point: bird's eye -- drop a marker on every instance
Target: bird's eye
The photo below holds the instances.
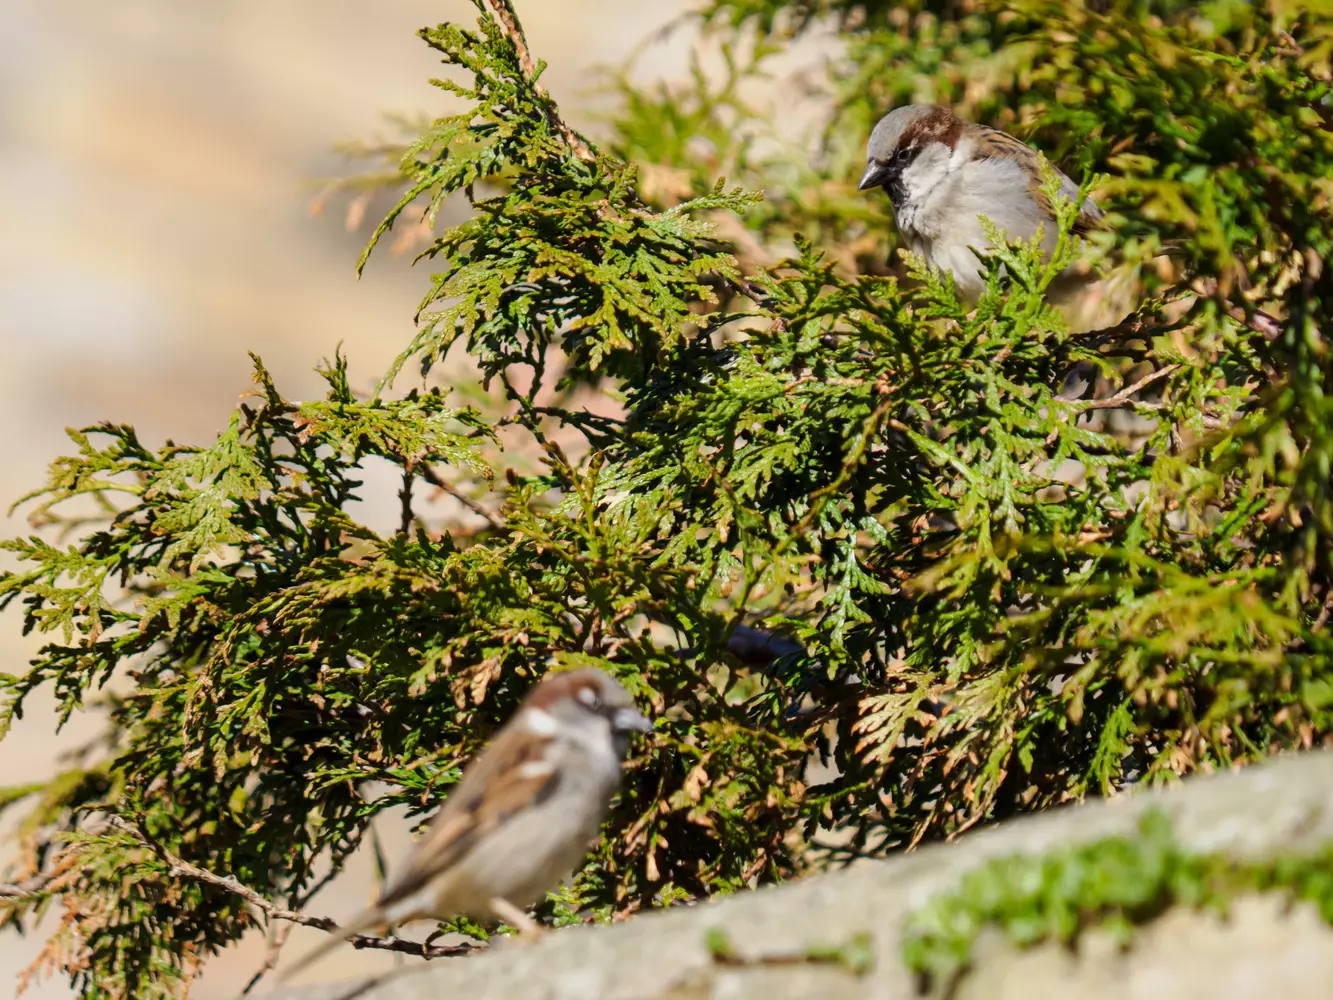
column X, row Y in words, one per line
column 589, row 698
column 904, row 153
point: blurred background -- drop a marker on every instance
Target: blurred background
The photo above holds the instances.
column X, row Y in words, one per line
column 158, row 163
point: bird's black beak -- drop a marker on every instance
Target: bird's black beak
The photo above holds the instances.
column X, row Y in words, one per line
column 629, row 720
column 875, row 176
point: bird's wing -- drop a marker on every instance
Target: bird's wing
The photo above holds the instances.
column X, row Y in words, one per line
column 505, row 779
column 1005, row 146
column 513, row 774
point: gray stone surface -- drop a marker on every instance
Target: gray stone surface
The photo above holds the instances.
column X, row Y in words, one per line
column 1260, row 950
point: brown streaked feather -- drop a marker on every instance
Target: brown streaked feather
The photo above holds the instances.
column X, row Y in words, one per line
column 468, row 815
column 516, row 772
column 557, row 687
column 1001, row 145
column 940, row 125
column 1004, row 144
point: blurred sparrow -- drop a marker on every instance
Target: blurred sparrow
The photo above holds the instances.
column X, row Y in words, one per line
column 523, row 816
column 942, row 172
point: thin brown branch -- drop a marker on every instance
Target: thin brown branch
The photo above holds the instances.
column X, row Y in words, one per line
column 277, row 938
column 177, row 867
column 1122, row 398
column 278, row 935
column 1132, row 328
column 504, row 14
column 405, row 502
column 417, row 948
column 25, row 889
column 429, row 474
column 1324, row 612
column 1258, row 321
column 1255, row 319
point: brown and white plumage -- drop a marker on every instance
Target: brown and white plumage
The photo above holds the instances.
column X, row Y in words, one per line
column 943, row 172
column 522, row 817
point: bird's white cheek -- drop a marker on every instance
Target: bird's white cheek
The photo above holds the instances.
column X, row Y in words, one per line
column 927, row 185
column 541, row 722
column 539, row 768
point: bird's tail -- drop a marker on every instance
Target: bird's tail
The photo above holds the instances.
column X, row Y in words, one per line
column 367, row 919
column 1101, row 303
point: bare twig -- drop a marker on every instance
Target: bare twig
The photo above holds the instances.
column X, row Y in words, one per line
column 504, row 13
column 1258, row 321
column 1122, row 398
column 405, row 499
column 429, row 474
column 1132, row 328
column 278, row 935
column 414, row 947
column 179, row 867
column 277, row 939
column 25, row 889
column 1324, row 612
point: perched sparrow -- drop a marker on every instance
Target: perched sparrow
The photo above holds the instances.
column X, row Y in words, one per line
column 523, row 816
column 942, row 172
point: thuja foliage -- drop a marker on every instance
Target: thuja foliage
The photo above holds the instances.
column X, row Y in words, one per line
column 803, row 502
column 1112, row 884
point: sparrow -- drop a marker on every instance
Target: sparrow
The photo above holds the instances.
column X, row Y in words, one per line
column 522, row 817
column 943, row 172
